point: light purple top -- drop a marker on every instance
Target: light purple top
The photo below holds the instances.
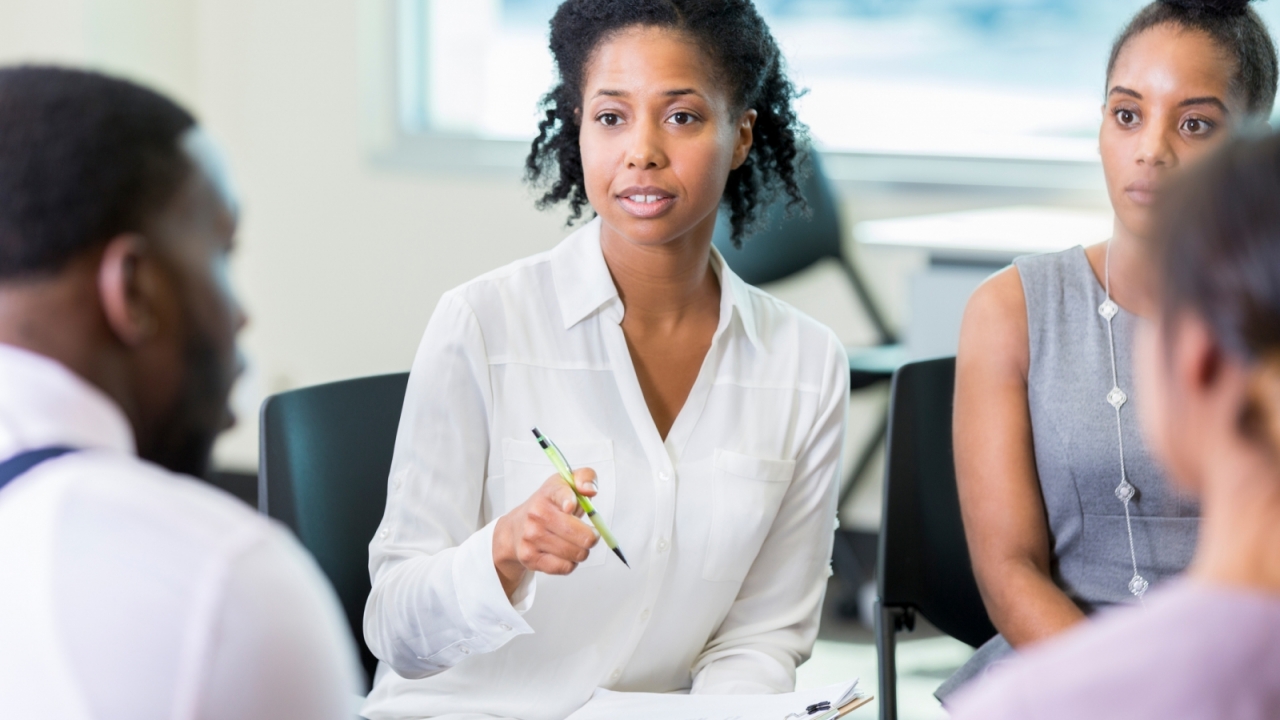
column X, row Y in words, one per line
column 1196, row 652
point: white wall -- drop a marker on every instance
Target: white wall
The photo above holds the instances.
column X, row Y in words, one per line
column 341, row 260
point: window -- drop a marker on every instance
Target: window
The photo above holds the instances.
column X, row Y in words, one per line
column 1012, row 79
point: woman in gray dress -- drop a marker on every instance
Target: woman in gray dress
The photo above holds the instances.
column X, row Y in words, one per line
column 1064, row 509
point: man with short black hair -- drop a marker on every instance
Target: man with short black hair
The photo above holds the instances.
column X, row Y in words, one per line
column 127, row 588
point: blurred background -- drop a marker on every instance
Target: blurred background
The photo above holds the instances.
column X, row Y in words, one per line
column 378, row 148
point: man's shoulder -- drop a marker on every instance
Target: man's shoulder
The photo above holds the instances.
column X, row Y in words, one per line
column 183, row 512
column 187, row 571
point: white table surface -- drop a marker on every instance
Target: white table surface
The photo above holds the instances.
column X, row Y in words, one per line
column 964, row 249
column 995, row 235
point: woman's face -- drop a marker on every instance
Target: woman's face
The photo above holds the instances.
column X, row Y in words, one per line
column 1168, row 103
column 659, row 136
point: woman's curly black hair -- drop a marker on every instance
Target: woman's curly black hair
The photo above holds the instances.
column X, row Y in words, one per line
column 736, row 38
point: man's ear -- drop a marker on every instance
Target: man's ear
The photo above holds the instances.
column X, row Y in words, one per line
column 128, row 289
column 746, row 135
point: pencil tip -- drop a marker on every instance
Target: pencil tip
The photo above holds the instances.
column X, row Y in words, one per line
column 620, row 557
column 542, row 441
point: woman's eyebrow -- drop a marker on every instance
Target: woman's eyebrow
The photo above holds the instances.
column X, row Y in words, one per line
column 1206, row 100
column 669, row 93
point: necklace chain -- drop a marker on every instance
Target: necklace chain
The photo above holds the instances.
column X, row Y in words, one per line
column 1117, row 398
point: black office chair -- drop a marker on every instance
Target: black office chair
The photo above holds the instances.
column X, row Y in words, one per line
column 788, row 245
column 326, row 454
column 924, row 560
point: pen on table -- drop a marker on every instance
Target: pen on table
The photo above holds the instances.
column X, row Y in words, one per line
column 562, row 466
column 857, row 702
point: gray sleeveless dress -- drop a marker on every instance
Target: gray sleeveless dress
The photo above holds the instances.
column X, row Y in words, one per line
column 1077, row 455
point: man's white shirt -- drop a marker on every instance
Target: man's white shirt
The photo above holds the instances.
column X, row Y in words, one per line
column 727, row 523
column 127, row 591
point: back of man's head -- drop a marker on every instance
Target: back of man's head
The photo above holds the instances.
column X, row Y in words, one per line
column 83, row 158
column 116, row 221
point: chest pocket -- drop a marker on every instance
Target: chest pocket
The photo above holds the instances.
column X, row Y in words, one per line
column 525, row 467
column 746, row 494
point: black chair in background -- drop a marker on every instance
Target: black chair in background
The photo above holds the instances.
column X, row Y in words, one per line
column 783, row 247
column 924, row 560
column 326, row 455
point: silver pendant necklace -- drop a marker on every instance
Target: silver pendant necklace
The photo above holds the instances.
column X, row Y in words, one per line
column 1117, row 398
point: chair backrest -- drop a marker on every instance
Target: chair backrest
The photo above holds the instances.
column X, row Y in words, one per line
column 326, row 454
column 783, row 246
column 786, row 245
column 924, row 559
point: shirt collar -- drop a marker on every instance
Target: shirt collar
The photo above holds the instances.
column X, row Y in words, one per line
column 584, row 284
column 43, row 403
column 582, row 280
column 735, row 296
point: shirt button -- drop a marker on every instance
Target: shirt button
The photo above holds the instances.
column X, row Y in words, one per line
column 397, row 483
column 504, row 627
column 662, row 546
column 644, row 616
column 664, row 475
column 385, row 532
column 615, row 674
column 464, row 649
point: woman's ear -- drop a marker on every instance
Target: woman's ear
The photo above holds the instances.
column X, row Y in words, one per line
column 1198, row 361
column 129, row 289
column 746, row 135
column 1181, row 399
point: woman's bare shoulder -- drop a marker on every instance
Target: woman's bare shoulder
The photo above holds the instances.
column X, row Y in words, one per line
column 995, row 321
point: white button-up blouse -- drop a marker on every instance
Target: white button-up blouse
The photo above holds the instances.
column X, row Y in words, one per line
column 727, row 523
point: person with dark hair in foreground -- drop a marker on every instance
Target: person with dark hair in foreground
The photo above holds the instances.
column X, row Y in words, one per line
column 1207, row 646
column 131, row 590
column 705, row 418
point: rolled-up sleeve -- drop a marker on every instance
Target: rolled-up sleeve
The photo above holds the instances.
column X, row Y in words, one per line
column 771, row 627
column 436, row 596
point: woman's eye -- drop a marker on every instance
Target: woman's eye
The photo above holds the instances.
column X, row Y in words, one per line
column 1196, row 126
column 682, row 118
column 1126, row 117
column 608, row 119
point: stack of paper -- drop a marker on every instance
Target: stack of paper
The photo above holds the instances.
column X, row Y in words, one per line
column 609, row 705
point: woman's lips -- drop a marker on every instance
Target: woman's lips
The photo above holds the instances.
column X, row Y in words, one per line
column 645, row 202
column 1141, row 193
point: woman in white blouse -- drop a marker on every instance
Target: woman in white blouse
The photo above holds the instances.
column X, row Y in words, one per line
column 705, row 417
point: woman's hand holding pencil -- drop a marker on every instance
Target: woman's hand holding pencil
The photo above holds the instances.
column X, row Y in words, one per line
column 544, row 534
